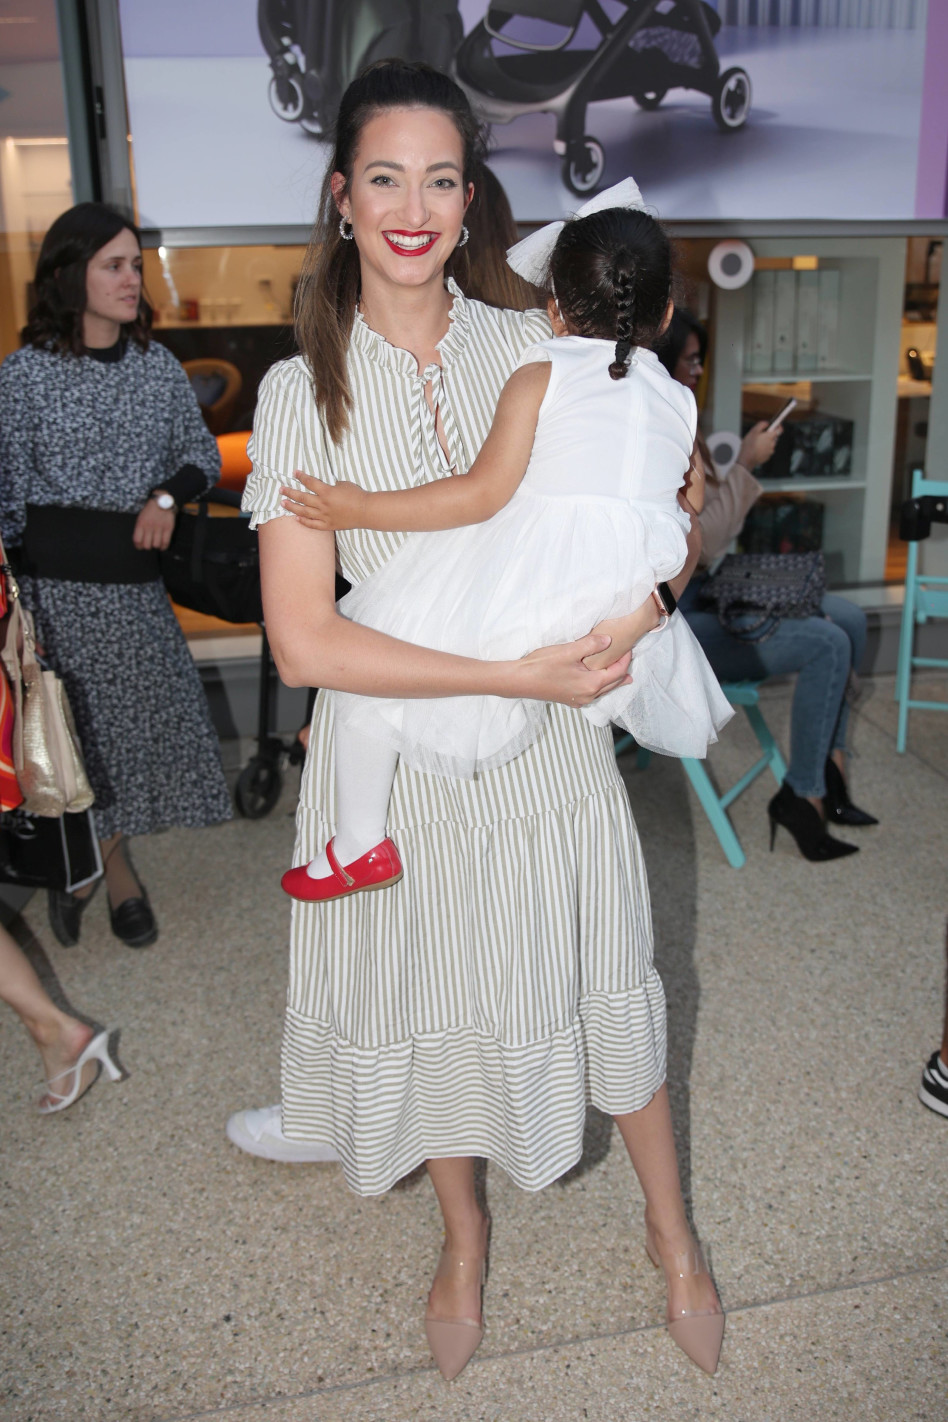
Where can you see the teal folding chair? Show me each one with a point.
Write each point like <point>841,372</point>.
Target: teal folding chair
<point>743,694</point>
<point>925,596</point>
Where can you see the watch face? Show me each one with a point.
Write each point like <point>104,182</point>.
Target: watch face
<point>164,501</point>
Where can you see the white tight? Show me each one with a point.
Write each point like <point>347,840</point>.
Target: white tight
<point>365,770</point>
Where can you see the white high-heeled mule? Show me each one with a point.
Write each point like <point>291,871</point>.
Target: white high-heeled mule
<point>96,1050</point>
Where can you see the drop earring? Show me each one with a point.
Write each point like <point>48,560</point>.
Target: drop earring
<point>344,224</point>
<point>464,236</point>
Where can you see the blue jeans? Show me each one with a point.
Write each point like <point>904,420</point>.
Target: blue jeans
<point>820,650</point>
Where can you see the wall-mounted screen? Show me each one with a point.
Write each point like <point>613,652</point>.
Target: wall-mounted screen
<point>751,110</point>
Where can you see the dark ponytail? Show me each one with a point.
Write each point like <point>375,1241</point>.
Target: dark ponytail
<point>611,272</point>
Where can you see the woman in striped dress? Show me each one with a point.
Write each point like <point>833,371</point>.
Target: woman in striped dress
<point>476,1006</point>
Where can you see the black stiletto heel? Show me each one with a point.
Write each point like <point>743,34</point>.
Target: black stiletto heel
<point>839,808</point>
<point>804,822</point>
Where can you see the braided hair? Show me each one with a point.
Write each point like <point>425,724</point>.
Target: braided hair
<point>612,274</point>
<point>622,276</point>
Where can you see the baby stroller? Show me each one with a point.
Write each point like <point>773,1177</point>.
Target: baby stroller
<point>317,47</point>
<point>213,566</point>
<point>517,61</point>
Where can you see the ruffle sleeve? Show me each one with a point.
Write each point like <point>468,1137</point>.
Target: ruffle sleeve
<point>287,436</point>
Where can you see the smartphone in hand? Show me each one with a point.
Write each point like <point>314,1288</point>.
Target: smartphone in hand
<point>778,419</point>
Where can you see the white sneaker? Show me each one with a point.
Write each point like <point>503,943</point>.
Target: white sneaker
<point>260,1133</point>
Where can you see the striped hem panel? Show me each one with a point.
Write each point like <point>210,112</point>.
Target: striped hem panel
<point>460,1092</point>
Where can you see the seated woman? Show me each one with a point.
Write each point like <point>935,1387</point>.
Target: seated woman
<point>822,651</point>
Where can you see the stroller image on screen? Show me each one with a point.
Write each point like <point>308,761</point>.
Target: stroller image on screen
<point>317,47</point>
<point>517,61</point>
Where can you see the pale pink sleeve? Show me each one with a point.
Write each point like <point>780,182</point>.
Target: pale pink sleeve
<point>726,505</point>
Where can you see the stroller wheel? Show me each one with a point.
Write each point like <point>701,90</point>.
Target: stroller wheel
<point>650,99</point>
<point>731,100</point>
<point>286,98</point>
<point>258,788</point>
<point>313,124</point>
<point>583,166</point>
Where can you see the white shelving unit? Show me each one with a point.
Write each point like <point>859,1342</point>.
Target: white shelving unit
<point>861,388</point>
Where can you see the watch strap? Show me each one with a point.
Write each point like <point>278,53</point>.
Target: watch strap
<point>669,600</point>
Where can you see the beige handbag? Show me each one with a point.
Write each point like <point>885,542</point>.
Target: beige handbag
<point>46,755</point>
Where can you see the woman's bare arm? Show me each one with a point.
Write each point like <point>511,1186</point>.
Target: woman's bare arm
<point>446,503</point>
<point>626,631</point>
<point>313,645</point>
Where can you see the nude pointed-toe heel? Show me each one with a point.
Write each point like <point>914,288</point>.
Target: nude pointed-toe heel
<point>454,1341</point>
<point>699,1336</point>
<point>697,1332</point>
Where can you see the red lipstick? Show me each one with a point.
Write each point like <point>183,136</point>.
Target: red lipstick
<point>410,251</point>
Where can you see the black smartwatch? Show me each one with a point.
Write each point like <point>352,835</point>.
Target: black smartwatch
<point>668,598</point>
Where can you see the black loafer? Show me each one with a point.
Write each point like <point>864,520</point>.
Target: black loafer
<point>65,914</point>
<point>134,923</point>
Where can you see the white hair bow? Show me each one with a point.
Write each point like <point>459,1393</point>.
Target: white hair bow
<point>531,257</point>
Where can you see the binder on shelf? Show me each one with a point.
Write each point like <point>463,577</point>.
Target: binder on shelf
<point>828,344</point>
<point>748,325</point>
<point>785,313</point>
<point>808,319</point>
<point>761,351</point>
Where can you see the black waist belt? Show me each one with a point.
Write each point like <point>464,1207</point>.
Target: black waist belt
<point>84,546</point>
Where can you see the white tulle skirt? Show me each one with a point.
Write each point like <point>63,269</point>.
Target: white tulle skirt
<point>543,570</point>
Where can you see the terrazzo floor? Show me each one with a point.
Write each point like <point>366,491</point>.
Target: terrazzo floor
<point>153,1273</point>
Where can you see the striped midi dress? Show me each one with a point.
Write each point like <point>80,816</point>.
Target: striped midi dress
<point>475,1007</point>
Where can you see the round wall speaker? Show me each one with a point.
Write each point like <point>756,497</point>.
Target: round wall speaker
<point>731,264</point>
<point>724,447</point>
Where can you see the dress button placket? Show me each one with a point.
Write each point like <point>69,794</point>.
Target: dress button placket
<point>429,416</point>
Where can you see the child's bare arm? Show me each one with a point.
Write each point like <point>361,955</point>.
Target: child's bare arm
<point>694,481</point>
<point>445,503</point>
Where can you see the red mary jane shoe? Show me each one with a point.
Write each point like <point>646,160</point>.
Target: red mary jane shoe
<point>377,869</point>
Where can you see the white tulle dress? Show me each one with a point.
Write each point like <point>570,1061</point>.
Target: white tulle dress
<point>594,525</point>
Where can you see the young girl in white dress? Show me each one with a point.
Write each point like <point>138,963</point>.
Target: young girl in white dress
<point>573,512</point>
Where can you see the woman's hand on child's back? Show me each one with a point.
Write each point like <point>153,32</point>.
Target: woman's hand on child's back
<point>325,506</point>
<point>559,673</point>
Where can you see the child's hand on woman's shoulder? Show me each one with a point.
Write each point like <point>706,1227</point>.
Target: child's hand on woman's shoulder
<point>325,506</point>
